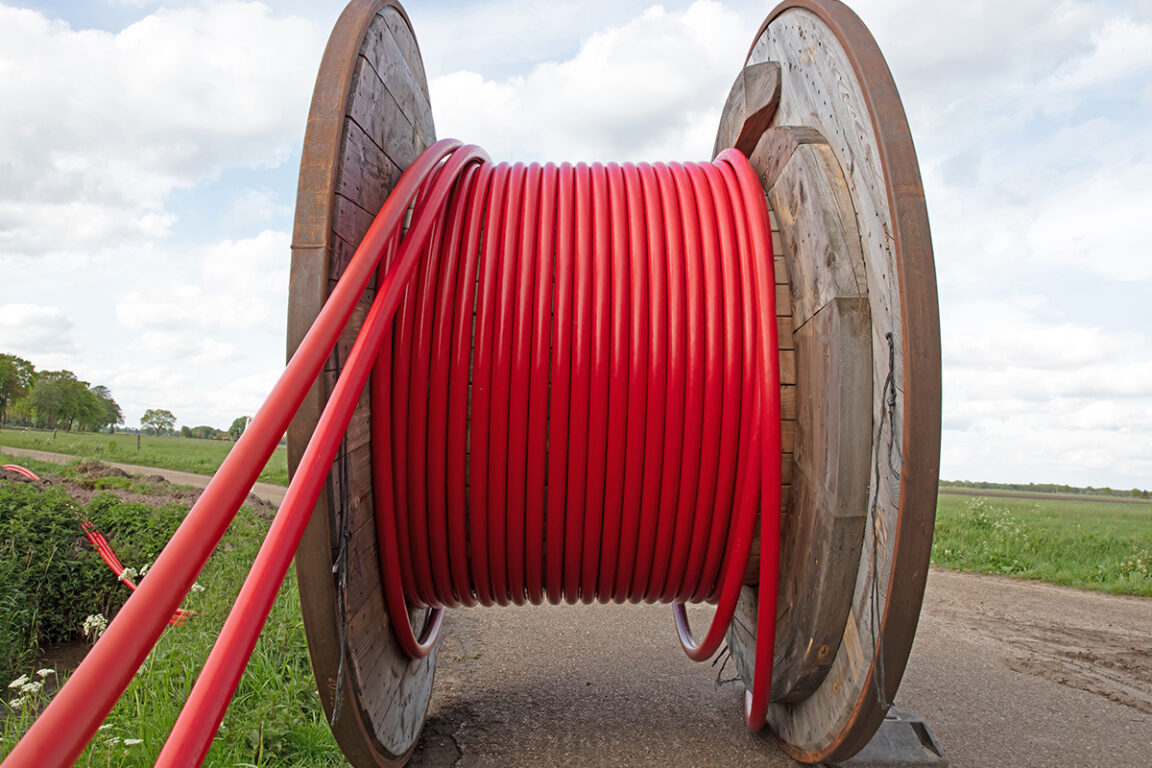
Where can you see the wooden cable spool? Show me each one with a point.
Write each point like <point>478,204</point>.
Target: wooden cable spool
<point>817,112</point>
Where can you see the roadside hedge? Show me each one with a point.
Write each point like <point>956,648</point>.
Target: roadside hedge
<point>51,578</point>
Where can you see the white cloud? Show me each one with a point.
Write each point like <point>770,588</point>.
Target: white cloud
<point>1122,48</point>
<point>32,328</point>
<point>255,207</point>
<point>651,88</point>
<point>98,129</point>
<point>242,285</point>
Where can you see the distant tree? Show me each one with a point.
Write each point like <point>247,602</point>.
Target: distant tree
<point>158,421</point>
<point>239,424</point>
<point>106,413</point>
<point>185,431</point>
<point>16,377</point>
<point>59,400</point>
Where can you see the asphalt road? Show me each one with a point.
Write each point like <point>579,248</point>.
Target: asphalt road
<point>1008,674</point>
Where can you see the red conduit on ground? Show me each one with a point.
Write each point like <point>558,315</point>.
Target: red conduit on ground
<point>104,549</point>
<point>624,430</point>
<point>21,471</point>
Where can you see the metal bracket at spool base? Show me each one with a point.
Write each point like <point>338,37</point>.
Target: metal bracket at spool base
<point>901,741</point>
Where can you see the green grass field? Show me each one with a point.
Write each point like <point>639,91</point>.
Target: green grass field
<point>1086,543</point>
<point>181,453</point>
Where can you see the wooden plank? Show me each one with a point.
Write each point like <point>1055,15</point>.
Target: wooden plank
<point>352,222</point>
<point>367,169</point>
<point>787,363</point>
<point>341,253</point>
<point>784,331</point>
<point>378,664</point>
<point>401,29</point>
<point>748,111</point>
<point>409,90</point>
<point>818,226</point>
<point>380,117</point>
<point>822,535</point>
<point>775,149</point>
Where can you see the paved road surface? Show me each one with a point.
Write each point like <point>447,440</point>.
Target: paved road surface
<point>1008,674</point>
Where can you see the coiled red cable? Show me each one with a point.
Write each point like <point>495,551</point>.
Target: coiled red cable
<point>575,397</point>
<point>579,399</point>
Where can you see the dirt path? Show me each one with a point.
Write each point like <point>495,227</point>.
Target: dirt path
<point>1013,673</point>
<point>273,494</point>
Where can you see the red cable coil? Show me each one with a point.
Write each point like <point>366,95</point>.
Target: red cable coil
<point>580,398</point>
<point>59,734</point>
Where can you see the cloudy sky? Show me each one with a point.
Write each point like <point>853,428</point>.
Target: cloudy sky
<point>149,154</point>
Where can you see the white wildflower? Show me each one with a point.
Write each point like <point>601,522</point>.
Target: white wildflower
<point>43,673</point>
<point>128,573</point>
<point>113,741</point>
<point>104,727</point>
<point>144,568</point>
<point>132,742</point>
<point>18,681</point>
<point>17,702</point>
<point>95,625</point>
<point>33,687</point>
<point>197,588</point>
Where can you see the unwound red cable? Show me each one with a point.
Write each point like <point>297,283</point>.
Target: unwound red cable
<point>60,733</point>
<point>104,549</point>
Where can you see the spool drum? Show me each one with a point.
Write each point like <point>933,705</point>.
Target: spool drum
<point>818,114</point>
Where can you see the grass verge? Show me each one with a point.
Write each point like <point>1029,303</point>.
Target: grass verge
<point>275,717</point>
<point>185,454</point>
<point>1082,543</point>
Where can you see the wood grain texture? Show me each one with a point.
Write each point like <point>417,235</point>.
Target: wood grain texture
<point>751,104</point>
<point>369,119</point>
<point>835,82</point>
<point>830,370</point>
<point>811,197</point>
<point>822,534</point>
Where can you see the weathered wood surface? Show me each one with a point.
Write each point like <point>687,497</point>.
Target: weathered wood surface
<point>811,197</point>
<point>822,524</point>
<point>370,119</point>
<point>749,109</point>
<point>835,82</point>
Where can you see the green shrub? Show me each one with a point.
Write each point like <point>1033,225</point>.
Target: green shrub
<point>51,577</point>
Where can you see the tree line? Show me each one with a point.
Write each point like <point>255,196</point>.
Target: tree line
<point>60,400</point>
<point>1136,493</point>
<point>53,399</point>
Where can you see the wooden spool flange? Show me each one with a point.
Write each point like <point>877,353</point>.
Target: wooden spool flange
<point>370,118</point>
<point>818,114</point>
